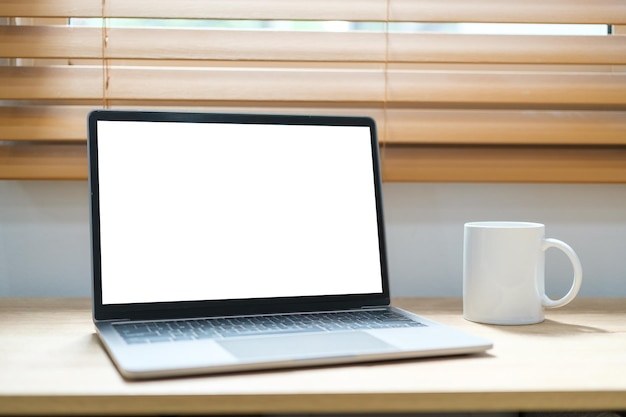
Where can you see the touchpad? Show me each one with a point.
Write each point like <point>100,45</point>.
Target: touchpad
<point>299,346</point>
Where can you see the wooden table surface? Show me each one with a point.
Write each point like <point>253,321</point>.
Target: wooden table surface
<point>51,362</point>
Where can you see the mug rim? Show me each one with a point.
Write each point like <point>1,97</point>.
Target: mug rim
<point>497,224</point>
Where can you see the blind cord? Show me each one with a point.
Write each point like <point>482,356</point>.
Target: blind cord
<point>105,60</point>
<point>386,90</point>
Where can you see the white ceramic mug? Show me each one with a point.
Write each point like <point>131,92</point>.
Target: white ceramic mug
<point>503,272</point>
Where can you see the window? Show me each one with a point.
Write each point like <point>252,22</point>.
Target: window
<point>459,88</point>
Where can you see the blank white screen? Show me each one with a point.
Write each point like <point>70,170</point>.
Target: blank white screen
<point>207,211</point>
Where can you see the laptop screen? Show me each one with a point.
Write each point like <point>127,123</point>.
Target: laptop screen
<point>233,207</point>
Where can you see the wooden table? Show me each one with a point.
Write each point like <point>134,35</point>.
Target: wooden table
<point>51,362</point>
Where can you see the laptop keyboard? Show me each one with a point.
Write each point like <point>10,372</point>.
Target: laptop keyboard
<point>217,328</point>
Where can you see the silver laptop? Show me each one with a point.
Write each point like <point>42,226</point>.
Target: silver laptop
<point>230,242</point>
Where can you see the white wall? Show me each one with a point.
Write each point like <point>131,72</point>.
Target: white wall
<point>44,234</point>
<point>44,238</point>
<point>425,232</point>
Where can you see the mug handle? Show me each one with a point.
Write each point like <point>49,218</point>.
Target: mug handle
<point>578,273</point>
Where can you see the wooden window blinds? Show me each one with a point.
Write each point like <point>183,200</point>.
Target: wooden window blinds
<point>449,106</point>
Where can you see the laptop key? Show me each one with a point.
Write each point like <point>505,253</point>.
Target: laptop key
<point>156,339</point>
<point>135,340</point>
<point>251,332</point>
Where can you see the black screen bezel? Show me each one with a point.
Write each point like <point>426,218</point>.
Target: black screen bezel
<point>225,307</point>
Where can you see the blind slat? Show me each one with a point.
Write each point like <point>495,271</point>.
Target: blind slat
<point>43,161</point>
<point>507,49</point>
<point>505,164</point>
<point>48,8</point>
<point>81,83</point>
<point>50,83</point>
<point>50,42</point>
<point>508,88</point>
<point>425,163</point>
<point>406,126</point>
<point>506,127</point>
<point>509,11</point>
<point>179,44</point>
<point>360,10</point>
<point>534,11</point>
<point>313,85</point>
<point>44,123</point>
<point>247,85</point>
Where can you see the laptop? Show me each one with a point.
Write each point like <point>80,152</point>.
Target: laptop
<point>232,242</point>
